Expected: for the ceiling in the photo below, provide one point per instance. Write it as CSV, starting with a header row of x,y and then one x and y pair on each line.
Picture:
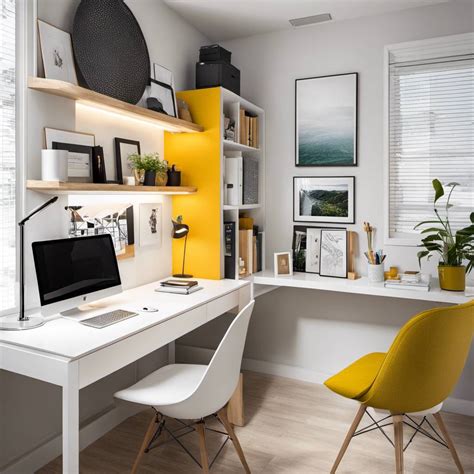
x,y
221,20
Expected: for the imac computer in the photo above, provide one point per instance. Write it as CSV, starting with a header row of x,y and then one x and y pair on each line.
x,y
76,271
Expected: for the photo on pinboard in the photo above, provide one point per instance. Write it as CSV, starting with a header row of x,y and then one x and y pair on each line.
x,y
150,224
326,120
114,219
325,199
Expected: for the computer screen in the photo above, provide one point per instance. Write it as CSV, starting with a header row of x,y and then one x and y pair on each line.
x,y
68,268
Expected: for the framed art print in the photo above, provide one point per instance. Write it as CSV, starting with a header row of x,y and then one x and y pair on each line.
x,y
333,253
150,230
79,161
123,149
326,120
67,136
325,199
282,264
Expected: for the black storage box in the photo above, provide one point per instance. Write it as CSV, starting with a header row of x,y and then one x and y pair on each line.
x,y
213,53
218,74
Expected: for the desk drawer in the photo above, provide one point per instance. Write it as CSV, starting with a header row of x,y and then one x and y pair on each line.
x,y
222,305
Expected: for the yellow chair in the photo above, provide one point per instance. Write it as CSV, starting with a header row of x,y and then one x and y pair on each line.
x,y
414,377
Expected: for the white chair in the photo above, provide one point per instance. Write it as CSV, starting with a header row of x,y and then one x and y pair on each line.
x,y
193,392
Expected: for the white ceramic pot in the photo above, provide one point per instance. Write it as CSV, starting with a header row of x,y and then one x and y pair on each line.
x,y
54,165
375,273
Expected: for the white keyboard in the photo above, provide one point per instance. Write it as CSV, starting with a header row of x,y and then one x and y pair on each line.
x,y
107,319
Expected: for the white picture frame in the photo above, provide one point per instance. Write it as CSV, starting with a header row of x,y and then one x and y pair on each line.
x,y
150,224
333,261
57,54
164,75
66,136
283,264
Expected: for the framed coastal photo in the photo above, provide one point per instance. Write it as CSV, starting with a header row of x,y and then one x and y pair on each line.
x,y
282,264
150,231
56,51
123,149
325,199
326,120
333,253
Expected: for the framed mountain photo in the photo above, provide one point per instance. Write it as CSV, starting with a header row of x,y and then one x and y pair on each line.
x,y
326,120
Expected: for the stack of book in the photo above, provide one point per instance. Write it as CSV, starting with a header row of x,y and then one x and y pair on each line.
x,y
181,287
250,251
248,129
410,281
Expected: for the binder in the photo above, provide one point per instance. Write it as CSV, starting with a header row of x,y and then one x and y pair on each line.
x,y
250,180
233,180
229,250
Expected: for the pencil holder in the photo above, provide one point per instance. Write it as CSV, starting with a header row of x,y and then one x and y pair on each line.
x,y
375,273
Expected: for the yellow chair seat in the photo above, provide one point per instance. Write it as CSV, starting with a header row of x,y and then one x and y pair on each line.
x,y
356,379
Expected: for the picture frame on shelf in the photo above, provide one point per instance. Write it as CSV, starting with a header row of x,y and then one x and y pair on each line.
x,y
67,136
79,167
57,53
165,76
334,249
166,96
326,120
124,147
324,199
283,264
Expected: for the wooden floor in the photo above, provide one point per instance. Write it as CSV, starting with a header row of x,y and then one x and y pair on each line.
x,y
292,427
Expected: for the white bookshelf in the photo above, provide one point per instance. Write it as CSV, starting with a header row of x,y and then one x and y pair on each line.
x,y
231,104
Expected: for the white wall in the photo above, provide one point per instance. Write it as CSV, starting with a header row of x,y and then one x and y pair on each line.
x,y
30,410
305,333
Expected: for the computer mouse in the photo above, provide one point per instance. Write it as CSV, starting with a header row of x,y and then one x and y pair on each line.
x,y
148,309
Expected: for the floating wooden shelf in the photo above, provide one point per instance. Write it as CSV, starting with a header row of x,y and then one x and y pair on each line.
x,y
101,101
59,187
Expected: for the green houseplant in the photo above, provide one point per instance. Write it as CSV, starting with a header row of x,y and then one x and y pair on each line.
x,y
453,247
155,170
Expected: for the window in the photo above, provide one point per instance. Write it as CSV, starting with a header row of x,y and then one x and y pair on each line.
x,y
431,131
7,155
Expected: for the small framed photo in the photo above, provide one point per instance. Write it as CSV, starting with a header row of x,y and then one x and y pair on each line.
x,y
123,149
333,260
164,75
325,199
283,264
56,51
79,162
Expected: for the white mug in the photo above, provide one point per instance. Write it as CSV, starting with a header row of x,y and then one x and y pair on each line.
x,y
54,165
376,273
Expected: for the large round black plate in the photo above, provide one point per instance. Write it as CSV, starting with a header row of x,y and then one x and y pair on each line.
x,y
110,49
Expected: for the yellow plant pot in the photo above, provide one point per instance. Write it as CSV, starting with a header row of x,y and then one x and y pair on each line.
x,y
161,179
452,278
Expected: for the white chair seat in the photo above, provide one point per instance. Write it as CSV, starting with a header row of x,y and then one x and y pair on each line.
x,y
166,386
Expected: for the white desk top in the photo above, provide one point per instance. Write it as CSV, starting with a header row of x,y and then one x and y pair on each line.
x,y
67,338
361,286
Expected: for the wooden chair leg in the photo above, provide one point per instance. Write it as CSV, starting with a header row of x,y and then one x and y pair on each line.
x,y
347,439
222,414
398,437
201,430
146,440
449,441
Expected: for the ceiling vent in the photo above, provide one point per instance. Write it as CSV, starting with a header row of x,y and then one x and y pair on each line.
x,y
310,20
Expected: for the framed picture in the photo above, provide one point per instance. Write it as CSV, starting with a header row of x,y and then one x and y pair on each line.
x,y
283,264
164,75
333,253
79,161
66,136
123,149
326,120
150,224
56,51
165,94
329,199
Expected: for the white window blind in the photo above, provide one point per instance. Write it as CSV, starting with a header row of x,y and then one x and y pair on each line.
x,y
7,154
431,131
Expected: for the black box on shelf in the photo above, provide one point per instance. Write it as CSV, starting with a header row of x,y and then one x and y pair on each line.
x,y
213,53
218,74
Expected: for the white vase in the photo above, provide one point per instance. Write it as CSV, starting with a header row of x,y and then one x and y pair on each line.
x,y
375,273
54,165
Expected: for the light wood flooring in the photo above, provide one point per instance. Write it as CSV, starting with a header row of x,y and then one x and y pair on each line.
x,y
292,427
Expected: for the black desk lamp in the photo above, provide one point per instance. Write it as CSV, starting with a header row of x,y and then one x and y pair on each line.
x,y
181,230
19,321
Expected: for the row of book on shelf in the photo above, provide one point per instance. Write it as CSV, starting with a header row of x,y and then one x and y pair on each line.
x,y
409,281
249,129
240,179
249,254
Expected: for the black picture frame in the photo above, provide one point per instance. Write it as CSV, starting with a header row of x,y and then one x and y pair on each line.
x,y
356,124
346,250
328,220
82,149
164,89
118,155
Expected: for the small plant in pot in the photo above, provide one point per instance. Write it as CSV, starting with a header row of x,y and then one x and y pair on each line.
x,y
154,168
454,248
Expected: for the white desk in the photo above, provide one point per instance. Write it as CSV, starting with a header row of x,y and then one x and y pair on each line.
x,y
71,355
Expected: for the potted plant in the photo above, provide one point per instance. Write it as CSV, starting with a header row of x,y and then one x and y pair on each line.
x,y
453,247
155,169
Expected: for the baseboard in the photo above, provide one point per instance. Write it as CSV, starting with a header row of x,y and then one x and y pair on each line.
x,y
199,355
89,433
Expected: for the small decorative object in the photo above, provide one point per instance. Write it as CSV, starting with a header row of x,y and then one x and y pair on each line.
x,y
282,264
324,199
351,273
54,165
155,169
79,162
98,165
242,269
453,247
124,148
65,136
150,224
152,103
129,180
392,274
375,272
326,120
229,129
183,111
110,49
174,177
181,230
333,253
375,269
56,51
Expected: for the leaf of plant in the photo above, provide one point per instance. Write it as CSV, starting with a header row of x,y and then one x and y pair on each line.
x,y
453,184
421,255
426,222
431,238
472,217
434,229
439,190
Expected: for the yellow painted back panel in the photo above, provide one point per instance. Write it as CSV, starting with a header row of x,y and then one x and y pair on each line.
x,y
198,156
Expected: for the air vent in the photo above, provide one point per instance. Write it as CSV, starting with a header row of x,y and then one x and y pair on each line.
x,y
310,20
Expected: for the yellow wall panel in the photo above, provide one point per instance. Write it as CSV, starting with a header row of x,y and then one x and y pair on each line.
x,y
198,156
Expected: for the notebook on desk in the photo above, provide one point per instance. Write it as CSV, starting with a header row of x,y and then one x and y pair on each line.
x,y
181,287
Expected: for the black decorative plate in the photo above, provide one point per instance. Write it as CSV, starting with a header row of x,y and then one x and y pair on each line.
x,y
110,49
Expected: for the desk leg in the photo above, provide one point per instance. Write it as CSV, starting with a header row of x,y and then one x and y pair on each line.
x,y
71,420
172,352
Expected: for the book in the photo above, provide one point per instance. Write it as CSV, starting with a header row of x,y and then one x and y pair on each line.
x,y
259,251
423,283
177,290
246,249
247,130
242,132
229,250
233,180
179,283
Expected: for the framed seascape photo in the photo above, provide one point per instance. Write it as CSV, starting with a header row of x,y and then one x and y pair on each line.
x,y
150,231
56,51
325,199
79,161
123,149
333,253
282,264
326,120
